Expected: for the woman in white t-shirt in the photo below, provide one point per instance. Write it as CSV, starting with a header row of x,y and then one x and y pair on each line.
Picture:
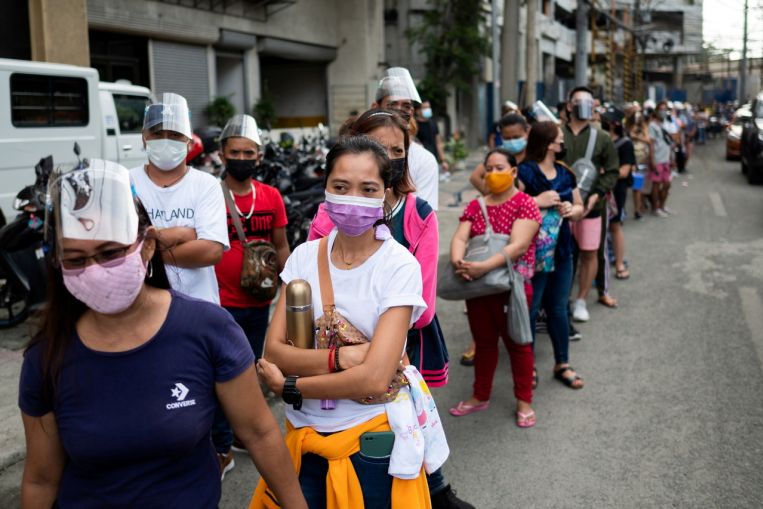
x,y
377,288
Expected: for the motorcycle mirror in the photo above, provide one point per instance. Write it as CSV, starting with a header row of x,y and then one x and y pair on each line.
x,y
76,149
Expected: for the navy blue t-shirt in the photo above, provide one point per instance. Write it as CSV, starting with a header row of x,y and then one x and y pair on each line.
x,y
536,183
135,425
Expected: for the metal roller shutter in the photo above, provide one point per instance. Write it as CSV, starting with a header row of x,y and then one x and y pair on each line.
x,y
183,69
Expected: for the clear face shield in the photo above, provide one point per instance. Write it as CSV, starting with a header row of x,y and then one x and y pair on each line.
x,y
171,114
582,106
94,202
241,126
542,113
398,92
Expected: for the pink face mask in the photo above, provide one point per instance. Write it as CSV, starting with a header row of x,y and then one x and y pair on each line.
x,y
108,288
354,215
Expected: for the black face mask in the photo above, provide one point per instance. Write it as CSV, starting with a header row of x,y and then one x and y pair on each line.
x,y
562,153
397,171
240,169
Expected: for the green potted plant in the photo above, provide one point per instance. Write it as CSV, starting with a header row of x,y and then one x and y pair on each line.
x,y
457,152
220,111
264,111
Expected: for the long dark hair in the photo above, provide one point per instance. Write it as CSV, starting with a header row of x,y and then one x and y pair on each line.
x,y
541,136
377,118
58,319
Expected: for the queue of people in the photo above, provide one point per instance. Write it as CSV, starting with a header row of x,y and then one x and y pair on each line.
x,y
167,313
162,291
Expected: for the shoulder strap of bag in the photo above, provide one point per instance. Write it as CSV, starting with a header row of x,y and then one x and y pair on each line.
x,y
620,142
324,276
591,143
233,213
483,207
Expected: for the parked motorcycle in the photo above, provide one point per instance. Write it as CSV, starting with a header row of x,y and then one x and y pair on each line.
x,y
22,257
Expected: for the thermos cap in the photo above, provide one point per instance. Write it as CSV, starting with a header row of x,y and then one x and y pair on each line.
x,y
299,295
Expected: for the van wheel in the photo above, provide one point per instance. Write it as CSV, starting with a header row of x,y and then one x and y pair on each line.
x,y
744,167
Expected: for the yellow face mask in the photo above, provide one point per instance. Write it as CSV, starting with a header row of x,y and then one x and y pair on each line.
x,y
499,181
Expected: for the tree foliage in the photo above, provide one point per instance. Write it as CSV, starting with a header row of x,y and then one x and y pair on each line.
x,y
452,39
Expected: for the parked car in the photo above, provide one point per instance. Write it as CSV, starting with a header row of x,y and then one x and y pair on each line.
x,y
45,108
734,132
752,143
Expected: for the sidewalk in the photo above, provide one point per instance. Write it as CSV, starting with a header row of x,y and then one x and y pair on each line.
x,y
12,448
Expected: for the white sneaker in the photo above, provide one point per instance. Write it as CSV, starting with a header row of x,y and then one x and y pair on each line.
x,y
668,211
661,213
579,311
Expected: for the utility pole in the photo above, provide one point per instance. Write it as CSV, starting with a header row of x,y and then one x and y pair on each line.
x,y
531,60
496,60
743,62
581,48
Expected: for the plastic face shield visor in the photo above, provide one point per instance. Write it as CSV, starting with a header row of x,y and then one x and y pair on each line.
x,y
397,84
541,113
169,115
583,107
241,126
92,203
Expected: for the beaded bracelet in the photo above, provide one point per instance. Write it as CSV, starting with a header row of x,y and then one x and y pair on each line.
x,y
336,360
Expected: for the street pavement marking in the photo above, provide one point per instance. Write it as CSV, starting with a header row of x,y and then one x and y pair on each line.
x,y
752,305
718,207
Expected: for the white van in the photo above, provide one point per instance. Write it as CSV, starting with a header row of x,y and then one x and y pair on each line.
x,y
45,108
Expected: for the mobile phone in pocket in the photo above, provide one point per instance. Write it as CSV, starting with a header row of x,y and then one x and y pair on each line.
x,y
377,444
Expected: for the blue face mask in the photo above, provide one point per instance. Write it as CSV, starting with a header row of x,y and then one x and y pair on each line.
x,y
515,146
426,112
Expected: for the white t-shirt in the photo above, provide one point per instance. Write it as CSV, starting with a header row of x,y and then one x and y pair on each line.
x,y
390,277
424,172
196,201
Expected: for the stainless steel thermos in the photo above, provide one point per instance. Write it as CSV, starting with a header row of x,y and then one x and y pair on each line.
x,y
299,314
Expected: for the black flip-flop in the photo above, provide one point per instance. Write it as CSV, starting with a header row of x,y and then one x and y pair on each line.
x,y
569,382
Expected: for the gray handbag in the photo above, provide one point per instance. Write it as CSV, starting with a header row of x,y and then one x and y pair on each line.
x,y
451,286
518,314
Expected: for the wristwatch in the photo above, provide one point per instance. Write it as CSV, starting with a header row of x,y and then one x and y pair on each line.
x,y
291,395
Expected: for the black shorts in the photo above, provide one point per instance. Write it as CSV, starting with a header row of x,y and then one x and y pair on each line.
x,y
620,192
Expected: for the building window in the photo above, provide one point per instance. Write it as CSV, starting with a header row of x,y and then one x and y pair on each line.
x,y
130,110
48,101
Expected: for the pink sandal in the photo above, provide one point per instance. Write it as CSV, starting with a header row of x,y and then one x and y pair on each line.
x,y
526,420
464,409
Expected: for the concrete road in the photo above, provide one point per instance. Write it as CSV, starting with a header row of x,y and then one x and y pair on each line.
x,y
672,411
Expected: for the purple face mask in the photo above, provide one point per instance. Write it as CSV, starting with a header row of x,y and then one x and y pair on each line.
x,y
354,215
109,288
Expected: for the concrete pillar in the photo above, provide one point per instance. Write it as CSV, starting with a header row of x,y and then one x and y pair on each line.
x,y
511,48
678,75
252,79
58,31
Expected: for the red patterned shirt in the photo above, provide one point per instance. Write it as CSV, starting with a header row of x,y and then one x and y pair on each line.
x,y
502,217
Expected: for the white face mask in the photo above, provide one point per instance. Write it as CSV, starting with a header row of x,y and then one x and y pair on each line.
x,y
166,154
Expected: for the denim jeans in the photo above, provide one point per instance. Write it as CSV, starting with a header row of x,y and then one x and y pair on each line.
x,y
375,482
254,322
551,290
